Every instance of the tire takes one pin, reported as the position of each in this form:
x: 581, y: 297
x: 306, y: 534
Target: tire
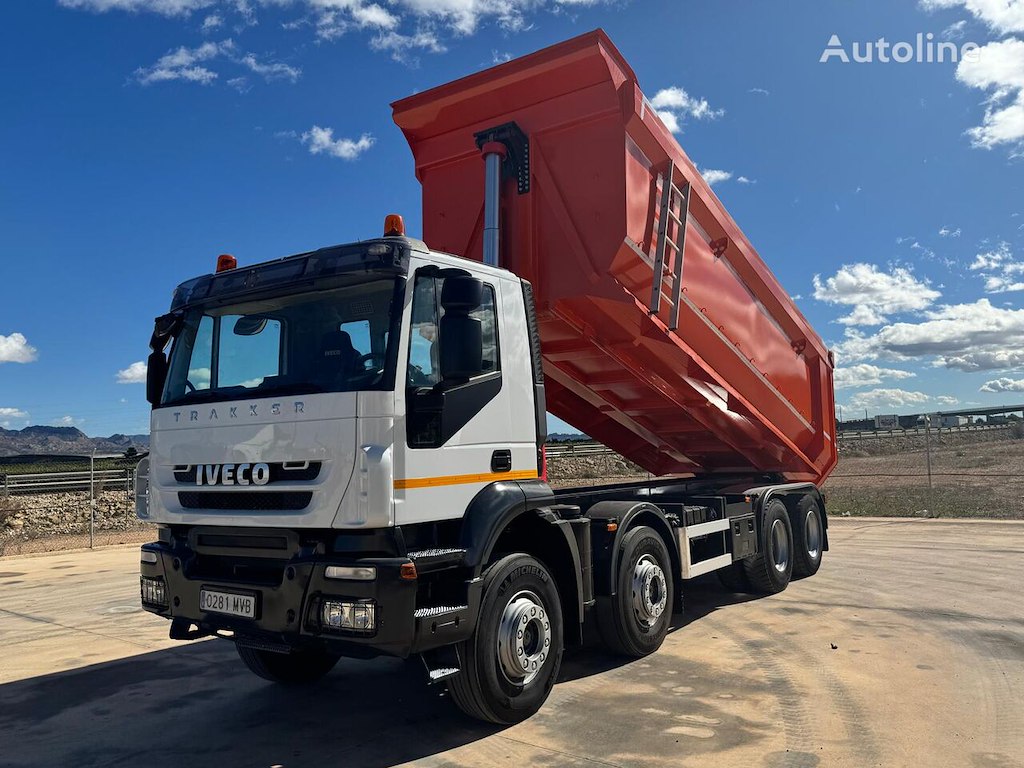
x: 734, y: 578
x: 300, y: 667
x: 771, y: 569
x: 495, y: 684
x: 635, y: 620
x: 808, y: 537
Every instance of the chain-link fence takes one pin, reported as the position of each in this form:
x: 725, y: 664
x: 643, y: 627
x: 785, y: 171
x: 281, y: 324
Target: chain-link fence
x: 942, y: 473
x: 52, y: 503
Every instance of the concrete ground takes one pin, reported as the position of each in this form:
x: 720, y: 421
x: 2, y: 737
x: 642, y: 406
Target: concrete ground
x: 907, y: 649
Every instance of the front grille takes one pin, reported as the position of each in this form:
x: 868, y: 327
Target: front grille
x: 234, y: 541
x: 280, y: 472
x: 245, y: 500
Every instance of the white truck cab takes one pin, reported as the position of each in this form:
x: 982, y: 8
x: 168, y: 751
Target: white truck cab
x: 280, y: 406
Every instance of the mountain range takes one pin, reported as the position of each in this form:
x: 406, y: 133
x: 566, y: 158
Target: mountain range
x: 65, y: 441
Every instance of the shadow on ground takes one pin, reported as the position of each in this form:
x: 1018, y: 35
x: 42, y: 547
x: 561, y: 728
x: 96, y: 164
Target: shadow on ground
x: 197, y: 705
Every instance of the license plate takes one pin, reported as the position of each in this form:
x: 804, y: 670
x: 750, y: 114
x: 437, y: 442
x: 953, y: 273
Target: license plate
x: 227, y: 602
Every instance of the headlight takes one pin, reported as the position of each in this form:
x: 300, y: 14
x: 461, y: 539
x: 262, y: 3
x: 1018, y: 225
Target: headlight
x: 153, y: 592
x: 358, y: 617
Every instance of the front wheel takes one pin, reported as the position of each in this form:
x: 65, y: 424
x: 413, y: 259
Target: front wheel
x: 510, y: 663
x: 299, y: 667
x: 634, y: 621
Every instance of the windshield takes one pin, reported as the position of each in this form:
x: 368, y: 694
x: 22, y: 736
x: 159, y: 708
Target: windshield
x: 322, y: 341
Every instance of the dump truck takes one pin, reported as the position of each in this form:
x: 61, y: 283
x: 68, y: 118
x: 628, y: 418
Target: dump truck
x: 347, y: 450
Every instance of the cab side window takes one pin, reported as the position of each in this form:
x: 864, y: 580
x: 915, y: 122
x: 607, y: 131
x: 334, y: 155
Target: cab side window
x: 424, y: 368
x: 438, y: 406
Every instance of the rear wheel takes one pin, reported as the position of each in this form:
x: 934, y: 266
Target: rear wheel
x: 808, y: 537
x: 770, y: 571
x: 511, y: 661
x: 635, y: 620
x: 296, y: 668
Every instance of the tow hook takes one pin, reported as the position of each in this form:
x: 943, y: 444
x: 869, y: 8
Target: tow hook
x: 182, y: 629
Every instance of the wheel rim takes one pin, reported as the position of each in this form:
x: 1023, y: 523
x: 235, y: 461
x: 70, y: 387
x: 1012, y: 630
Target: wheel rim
x: 780, y: 546
x: 650, y: 591
x: 812, y: 533
x: 524, y: 638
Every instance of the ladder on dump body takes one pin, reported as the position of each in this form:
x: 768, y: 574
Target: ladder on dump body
x: 673, y: 199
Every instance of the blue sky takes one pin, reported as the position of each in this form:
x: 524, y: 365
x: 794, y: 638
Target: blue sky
x: 141, y: 138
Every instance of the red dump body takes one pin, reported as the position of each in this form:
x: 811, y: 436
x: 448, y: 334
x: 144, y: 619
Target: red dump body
x: 743, y: 385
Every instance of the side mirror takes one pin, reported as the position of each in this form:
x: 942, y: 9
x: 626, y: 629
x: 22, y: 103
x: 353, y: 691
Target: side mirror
x: 462, y: 346
x: 156, y: 376
x: 249, y: 325
x: 462, y: 294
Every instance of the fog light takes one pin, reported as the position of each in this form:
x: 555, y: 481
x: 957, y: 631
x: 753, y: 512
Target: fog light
x: 352, y: 572
x: 150, y: 557
x: 358, y: 617
x: 153, y: 591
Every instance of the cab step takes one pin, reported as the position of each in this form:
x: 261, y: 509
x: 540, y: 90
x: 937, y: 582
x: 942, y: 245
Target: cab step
x: 431, y: 560
x: 439, y: 611
x: 441, y: 663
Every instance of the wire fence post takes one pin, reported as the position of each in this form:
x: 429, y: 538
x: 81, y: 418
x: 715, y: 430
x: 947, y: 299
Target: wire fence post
x: 928, y: 459
x: 92, y: 499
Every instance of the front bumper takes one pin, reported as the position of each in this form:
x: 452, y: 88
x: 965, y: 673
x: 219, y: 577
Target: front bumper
x: 289, y: 584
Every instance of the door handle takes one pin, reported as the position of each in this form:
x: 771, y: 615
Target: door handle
x: 501, y: 461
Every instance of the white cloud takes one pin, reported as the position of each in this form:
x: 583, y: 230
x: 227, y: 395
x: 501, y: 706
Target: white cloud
x: 398, y: 27
x: 873, y: 294
x: 270, y: 70
x: 714, y: 176
x: 947, y: 232
x: 874, y: 399
x: 1002, y: 16
x: 66, y: 421
x: 964, y: 337
x: 334, y: 18
x: 500, y: 57
x: 162, y: 7
x: 194, y: 65
x: 673, y: 105
x: 1001, y: 271
x: 400, y: 46
x: 184, y: 64
x: 998, y: 68
x: 866, y: 375
x: 954, y: 31
x: 946, y: 400
x: 996, y: 385
x: 16, y: 349
x: 133, y: 374
x: 745, y: 180
x: 862, y: 315
x: 760, y: 91
x: 321, y: 140
x: 10, y: 417
x: 199, y: 377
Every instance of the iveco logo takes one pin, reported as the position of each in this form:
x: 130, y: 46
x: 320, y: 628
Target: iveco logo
x: 232, y: 474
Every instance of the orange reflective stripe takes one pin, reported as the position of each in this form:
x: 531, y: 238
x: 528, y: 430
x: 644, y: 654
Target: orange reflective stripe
x: 485, y: 477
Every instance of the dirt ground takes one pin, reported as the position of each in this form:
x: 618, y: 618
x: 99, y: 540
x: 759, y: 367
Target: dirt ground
x: 906, y: 649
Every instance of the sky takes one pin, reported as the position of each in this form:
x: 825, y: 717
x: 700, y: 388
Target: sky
x: 141, y: 138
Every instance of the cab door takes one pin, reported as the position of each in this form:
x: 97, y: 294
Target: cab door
x: 457, y: 431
